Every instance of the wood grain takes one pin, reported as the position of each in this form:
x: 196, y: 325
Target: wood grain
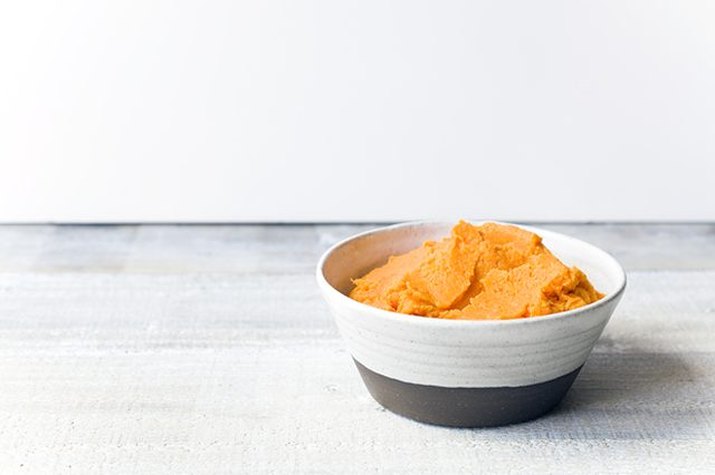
x: 184, y: 349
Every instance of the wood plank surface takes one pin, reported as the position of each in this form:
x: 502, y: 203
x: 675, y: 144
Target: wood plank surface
x: 207, y: 349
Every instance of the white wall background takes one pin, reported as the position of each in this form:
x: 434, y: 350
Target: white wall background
x: 297, y: 110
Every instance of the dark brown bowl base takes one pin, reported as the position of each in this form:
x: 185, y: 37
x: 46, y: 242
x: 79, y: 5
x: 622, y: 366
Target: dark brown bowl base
x: 466, y: 407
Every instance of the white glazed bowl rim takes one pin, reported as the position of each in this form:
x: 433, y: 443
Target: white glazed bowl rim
x: 446, y: 322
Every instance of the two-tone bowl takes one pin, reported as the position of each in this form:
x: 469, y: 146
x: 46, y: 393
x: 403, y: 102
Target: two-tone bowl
x: 465, y: 373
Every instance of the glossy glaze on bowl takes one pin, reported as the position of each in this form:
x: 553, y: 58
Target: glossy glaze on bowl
x: 461, y: 372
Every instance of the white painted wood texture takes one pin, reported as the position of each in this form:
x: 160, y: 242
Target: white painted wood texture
x: 186, y: 349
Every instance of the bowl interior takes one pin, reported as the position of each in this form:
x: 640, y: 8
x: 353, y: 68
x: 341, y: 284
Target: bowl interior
x: 355, y: 256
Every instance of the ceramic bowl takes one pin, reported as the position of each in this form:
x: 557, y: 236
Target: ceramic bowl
x: 465, y: 373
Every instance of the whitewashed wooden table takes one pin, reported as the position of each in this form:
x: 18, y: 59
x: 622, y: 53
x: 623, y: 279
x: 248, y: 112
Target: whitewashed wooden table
x: 185, y: 349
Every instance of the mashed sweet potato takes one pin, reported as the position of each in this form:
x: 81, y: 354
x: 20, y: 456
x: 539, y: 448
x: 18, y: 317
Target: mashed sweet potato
x: 492, y: 271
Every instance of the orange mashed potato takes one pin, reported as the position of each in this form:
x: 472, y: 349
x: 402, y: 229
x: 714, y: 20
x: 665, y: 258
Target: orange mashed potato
x: 492, y: 271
